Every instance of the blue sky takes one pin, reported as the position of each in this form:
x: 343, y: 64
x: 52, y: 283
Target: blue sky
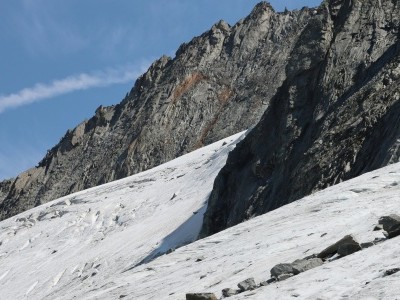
x: 60, y: 60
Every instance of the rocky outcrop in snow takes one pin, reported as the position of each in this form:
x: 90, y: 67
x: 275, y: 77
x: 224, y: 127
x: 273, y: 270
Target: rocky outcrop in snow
x: 335, y: 117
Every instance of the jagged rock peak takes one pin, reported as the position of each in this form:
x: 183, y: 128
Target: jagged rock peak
x: 222, y: 26
x: 261, y: 8
x: 214, y: 87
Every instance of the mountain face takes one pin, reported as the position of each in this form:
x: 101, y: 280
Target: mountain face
x: 336, y: 115
x: 117, y: 241
x: 217, y: 85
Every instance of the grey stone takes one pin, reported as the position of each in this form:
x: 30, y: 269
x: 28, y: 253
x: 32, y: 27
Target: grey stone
x: 347, y: 244
x: 391, y: 224
x: 228, y: 292
x: 201, y: 296
x: 388, y: 222
x: 247, y: 285
x: 303, y: 265
x: 378, y: 227
x: 280, y: 269
x: 349, y: 248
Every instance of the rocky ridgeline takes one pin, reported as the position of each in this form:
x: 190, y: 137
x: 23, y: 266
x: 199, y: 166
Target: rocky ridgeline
x: 218, y: 84
x: 335, y: 116
x: 390, y: 226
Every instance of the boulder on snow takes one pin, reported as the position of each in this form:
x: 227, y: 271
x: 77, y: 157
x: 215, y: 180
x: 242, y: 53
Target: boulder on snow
x: 391, y: 271
x: 391, y: 224
x: 201, y: 296
x: 296, y: 267
x: 281, y: 269
x: 247, y: 285
x: 388, y: 221
x: 347, y: 246
x: 302, y: 265
x: 229, y: 292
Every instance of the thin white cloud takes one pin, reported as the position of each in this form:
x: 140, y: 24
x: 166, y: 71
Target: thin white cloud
x: 84, y: 81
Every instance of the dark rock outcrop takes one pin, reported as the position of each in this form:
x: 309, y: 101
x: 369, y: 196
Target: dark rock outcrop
x: 218, y: 84
x: 201, y: 296
x: 343, y: 247
x: 336, y: 115
x: 391, y: 224
x: 296, y: 267
x: 391, y: 271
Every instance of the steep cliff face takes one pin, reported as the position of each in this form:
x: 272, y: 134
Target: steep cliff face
x: 336, y: 115
x: 218, y: 84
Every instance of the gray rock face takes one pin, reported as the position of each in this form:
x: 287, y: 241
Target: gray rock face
x: 218, y: 84
x: 339, y: 100
x: 247, y: 285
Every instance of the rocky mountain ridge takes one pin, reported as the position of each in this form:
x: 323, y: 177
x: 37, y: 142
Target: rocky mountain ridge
x: 336, y: 115
x: 218, y: 84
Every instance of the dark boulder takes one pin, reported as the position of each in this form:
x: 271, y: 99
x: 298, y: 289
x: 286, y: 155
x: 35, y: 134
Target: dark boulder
x: 347, y: 245
x: 391, y: 224
x: 201, y: 296
x: 391, y: 271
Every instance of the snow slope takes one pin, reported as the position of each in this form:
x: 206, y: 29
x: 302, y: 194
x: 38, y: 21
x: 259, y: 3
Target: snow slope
x: 78, y: 243
x: 90, y: 245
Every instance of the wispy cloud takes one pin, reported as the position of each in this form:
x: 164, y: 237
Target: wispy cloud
x: 83, y: 81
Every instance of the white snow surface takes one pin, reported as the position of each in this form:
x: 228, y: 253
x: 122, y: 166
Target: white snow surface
x: 109, y: 242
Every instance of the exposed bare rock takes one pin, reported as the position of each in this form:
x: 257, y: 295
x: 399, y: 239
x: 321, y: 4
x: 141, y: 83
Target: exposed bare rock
x: 247, y: 285
x: 391, y: 224
x: 340, y: 99
x: 343, y: 247
x: 201, y: 296
x: 302, y: 265
x: 218, y: 84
